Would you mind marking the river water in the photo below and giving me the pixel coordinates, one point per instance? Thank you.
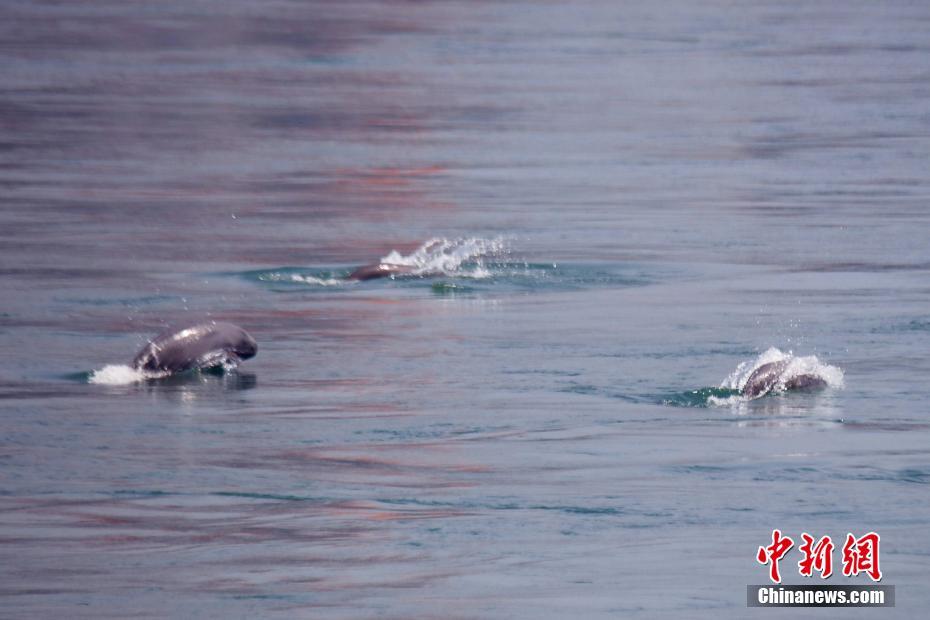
(620, 204)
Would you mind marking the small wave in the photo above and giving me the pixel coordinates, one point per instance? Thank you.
(462, 257)
(449, 288)
(914, 325)
(701, 398)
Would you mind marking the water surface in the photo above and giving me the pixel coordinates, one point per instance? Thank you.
(660, 193)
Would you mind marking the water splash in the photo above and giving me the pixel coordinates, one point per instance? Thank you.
(121, 374)
(462, 257)
(229, 364)
(796, 366)
(730, 392)
(116, 374)
(809, 364)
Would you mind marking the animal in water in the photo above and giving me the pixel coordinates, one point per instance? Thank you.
(769, 376)
(380, 270)
(199, 346)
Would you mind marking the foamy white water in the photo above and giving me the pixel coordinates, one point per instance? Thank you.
(116, 374)
(120, 374)
(305, 279)
(447, 256)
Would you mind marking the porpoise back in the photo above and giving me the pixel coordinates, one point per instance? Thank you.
(379, 270)
(767, 376)
(764, 378)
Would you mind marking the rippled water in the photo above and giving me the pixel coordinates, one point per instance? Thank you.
(656, 193)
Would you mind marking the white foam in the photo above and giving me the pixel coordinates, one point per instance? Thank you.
(446, 256)
(729, 401)
(116, 374)
(303, 279)
(317, 281)
(807, 365)
(737, 379)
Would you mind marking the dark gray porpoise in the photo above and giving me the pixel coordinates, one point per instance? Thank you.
(379, 270)
(201, 346)
(766, 376)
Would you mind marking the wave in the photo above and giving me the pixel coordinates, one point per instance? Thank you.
(700, 398)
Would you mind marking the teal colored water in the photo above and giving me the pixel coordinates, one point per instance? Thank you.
(614, 209)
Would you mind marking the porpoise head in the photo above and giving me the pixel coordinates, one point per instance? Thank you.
(246, 347)
(805, 382)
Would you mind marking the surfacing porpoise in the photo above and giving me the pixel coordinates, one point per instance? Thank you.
(767, 376)
(198, 346)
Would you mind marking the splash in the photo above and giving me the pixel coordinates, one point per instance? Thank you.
(120, 374)
(727, 401)
(462, 257)
(116, 374)
(229, 364)
(796, 366)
